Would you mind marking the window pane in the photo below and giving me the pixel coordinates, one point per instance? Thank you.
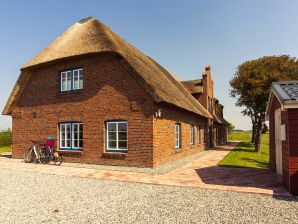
(81, 135)
(122, 127)
(75, 79)
(122, 136)
(177, 135)
(63, 81)
(122, 144)
(77, 135)
(112, 144)
(81, 128)
(62, 135)
(68, 135)
(68, 80)
(112, 126)
(112, 136)
(81, 78)
(75, 143)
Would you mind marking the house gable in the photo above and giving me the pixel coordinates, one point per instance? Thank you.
(93, 37)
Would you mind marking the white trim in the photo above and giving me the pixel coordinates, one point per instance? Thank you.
(177, 136)
(198, 135)
(78, 135)
(73, 79)
(192, 135)
(67, 74)
(71, 140)
(117, 136)
(65, 125)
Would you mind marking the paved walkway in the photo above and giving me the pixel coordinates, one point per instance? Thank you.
(201, 173)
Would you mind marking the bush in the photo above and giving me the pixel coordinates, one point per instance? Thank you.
(5, 137)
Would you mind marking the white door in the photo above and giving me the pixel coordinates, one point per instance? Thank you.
(278, 145)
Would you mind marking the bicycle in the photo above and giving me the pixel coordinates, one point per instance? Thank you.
(32, 155)
(48, 154)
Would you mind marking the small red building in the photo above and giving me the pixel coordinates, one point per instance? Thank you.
(282, 113)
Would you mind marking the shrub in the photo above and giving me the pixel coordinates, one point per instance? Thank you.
(5, 137)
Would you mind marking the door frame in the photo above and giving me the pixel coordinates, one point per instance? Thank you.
(278, 142)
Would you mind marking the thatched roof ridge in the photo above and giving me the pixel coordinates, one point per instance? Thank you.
(92, 36)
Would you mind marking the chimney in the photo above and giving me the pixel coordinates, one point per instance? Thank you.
(207, 84)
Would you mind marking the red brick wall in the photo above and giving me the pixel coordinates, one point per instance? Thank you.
(109, 93)
(292, 152)
(164, 134)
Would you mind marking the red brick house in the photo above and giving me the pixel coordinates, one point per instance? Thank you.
(106, 102)
(282, 113)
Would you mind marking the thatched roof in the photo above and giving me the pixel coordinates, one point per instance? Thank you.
(91, 36)
(193, 86)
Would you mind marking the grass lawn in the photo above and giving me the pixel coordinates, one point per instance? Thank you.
(244, 156)
(5, 149)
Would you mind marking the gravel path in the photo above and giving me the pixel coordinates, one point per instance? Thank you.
(29, 197)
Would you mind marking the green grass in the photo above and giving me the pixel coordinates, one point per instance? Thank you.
(5, 149)
(244, 156)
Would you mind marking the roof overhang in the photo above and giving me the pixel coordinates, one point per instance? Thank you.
(285, 101)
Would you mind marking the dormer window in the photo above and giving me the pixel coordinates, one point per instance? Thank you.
(72, 79)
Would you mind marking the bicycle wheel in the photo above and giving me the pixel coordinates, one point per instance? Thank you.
(25, 156)
(44, 158)
(58, 160)
(29, 156)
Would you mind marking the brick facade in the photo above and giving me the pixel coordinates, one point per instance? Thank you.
(110, 93)
(218, 134)
(164, 133)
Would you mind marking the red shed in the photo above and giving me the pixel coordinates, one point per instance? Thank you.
(282, 113)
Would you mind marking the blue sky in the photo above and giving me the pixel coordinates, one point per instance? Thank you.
(183, 36)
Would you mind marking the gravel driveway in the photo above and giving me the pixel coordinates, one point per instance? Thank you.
(30, 197)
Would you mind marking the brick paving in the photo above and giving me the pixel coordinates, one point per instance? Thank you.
(200, 173)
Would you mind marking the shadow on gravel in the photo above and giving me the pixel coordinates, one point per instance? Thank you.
(243, 177)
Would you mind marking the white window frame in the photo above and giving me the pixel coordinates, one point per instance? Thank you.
(177, 136)
(71, 140)
(73, 79)
(192, 135)
(70, 73)
(66, 74)
(117, 149)
(80, 125)
(198, 135)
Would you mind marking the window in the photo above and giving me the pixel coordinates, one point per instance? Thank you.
(192, 135)
(116, 132)
(77, 79)
(177, 136)
(199, 135)
(71, 136)
(66, 81)
(72, 80)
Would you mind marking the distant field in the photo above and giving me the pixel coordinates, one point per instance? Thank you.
(244, 156)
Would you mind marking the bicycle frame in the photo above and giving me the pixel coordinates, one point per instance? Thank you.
(36, 154)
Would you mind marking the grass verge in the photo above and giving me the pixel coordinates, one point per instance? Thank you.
(5, 149)
(243, 154)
